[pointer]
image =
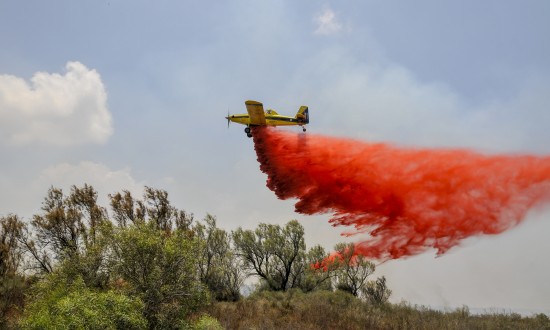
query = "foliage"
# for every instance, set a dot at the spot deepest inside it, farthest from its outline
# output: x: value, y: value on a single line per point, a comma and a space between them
x: 353, y: 269
x: 155, y: 208
x: 317, y: 277
x: 12, y: 294
x: 69, y: 223
x: 159, y: 267
x: 72, y: 229
x: 377, y: 292
x: 149, y: 266
x: 12, y: 283
x: 219, y: 268
x: 11, y: 253
x: 273, y: 253
x: 207, y: 322
x: 155, y: 257
x: 278, y: 256
x: 322, y: 309
x: 56, y: 305
x: 292, y: 309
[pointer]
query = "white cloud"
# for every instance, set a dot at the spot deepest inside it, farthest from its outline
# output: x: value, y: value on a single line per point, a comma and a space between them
x: 102, y: 178
x: 327, y: 23
x: 69, y: 109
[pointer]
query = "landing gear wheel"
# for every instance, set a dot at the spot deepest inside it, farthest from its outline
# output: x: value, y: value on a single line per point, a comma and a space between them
x: 249, y: 135
x: 247, y: 130
x: 303, y: 129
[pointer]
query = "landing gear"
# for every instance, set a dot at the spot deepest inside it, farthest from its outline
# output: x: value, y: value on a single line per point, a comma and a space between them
x: 303, y: 129
x: 247, y: 130
x: 249, y: 135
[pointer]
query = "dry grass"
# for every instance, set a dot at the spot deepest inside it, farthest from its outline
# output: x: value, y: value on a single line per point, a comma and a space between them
x: 339, y: 310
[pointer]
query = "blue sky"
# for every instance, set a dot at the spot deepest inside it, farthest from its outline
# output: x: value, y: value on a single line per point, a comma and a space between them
x: 125, y: 94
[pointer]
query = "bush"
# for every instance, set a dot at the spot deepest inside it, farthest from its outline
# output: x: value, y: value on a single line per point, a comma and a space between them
x: 161, y: 269
x: 77, y: 307
x: 207, y: 322
x: 341, y: 310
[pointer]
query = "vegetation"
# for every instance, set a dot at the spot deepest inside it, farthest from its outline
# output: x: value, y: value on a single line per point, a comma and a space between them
x: 58, y: 305
x: 219, y: 268
x: 323, y: 309
x: 144, y: 264
x: 277, y: 255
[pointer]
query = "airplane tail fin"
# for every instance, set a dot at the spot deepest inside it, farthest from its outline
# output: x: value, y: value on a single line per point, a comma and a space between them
x: 303, y: 115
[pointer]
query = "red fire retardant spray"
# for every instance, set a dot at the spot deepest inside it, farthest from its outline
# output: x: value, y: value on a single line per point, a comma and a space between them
x: 407, y: 200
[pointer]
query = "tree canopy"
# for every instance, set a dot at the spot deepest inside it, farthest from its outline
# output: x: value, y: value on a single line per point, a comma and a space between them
x: 143, y: 263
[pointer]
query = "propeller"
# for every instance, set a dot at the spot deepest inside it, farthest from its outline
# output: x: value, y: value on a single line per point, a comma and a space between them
x: 228, y: 120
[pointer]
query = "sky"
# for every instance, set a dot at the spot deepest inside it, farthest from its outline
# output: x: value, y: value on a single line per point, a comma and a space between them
x: 121, y: 94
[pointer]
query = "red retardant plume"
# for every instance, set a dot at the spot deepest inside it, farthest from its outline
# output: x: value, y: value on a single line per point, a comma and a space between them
x: 408, y: 200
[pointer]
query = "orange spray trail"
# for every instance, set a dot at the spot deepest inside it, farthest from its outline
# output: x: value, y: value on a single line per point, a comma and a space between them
x: 408, y: 200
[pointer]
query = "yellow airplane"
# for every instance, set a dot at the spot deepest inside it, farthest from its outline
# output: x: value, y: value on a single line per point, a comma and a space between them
x: 257, y: 117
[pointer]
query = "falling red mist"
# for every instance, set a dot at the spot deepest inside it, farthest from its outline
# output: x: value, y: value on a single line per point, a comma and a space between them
x: 408, y: 200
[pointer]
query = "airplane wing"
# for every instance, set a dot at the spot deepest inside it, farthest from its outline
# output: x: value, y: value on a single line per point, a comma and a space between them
x: 256, y: 112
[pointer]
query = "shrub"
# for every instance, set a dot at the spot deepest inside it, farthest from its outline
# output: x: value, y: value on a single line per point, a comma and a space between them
x: 77, y: 307
x: 207, y: 322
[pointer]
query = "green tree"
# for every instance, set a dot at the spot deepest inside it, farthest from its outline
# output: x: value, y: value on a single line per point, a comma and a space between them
x: 273, y: 253
x: 377, y: 292
x: 318, y: 271
x: 353, y: 269
x: 69, y: 223
x: 159, y: 267
x: 73, y: 229
x: 61, y: 303
x: 219, y: 269
x: 155, y: 207
x: 12, y: 281
x: 11, y: 253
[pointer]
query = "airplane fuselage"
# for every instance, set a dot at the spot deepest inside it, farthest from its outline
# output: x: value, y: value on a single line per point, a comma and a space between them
x: 258, y: 117
x: 271, y: 120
